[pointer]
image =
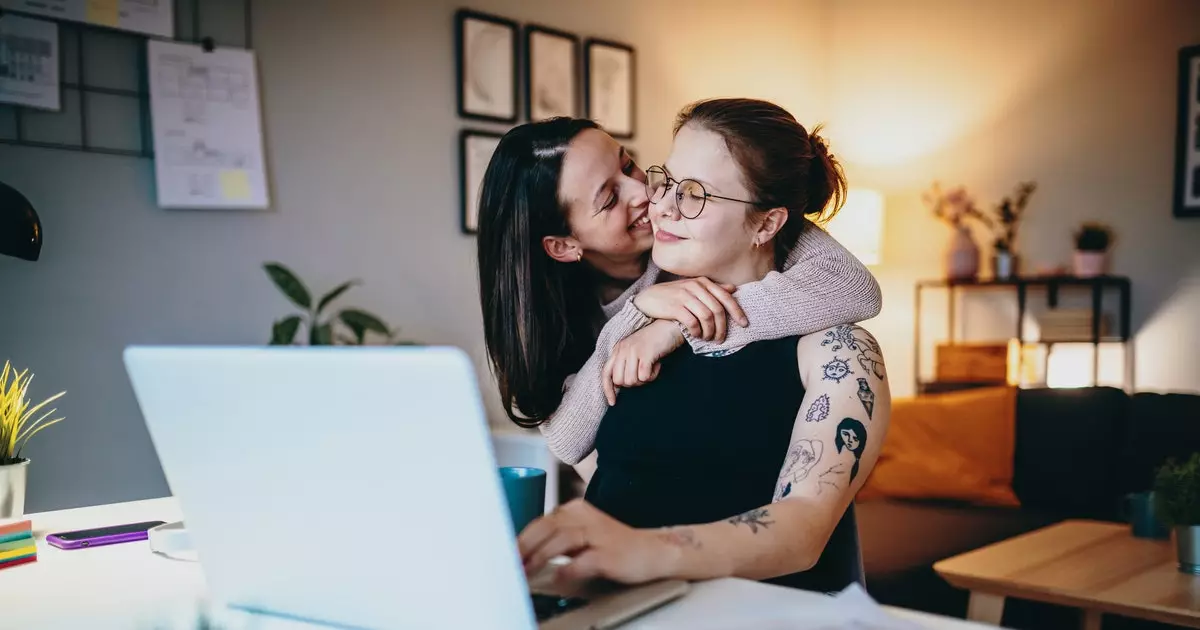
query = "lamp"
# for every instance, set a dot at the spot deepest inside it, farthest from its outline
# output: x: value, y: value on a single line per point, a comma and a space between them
x: 20, y: 229
x: 859, y: 225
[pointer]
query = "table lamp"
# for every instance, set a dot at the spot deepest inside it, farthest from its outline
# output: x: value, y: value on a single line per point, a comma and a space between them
x: 20, y: 229
x: 858, y: 226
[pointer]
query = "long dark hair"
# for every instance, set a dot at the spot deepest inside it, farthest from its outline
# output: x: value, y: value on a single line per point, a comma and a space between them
x: 540, y: 316
x: 785, y: 165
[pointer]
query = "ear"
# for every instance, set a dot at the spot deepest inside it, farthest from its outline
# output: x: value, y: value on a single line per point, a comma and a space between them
x: 564, y: 249
x: 773, y: 221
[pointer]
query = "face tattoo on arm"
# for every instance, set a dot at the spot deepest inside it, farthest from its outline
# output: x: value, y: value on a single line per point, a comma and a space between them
x: 851, y: 436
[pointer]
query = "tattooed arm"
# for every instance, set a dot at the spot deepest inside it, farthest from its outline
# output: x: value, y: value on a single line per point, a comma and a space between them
x: 836, y: 438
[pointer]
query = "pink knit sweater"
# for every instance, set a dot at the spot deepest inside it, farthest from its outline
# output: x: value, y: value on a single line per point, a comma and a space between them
x: 822, y: 285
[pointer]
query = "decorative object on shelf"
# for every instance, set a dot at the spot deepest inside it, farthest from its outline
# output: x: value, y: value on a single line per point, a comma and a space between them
x: 1092, y: 241
x: 16, y: 427
x: 323, y: 332
x: 962, y: 258
x: 486, y: 64
x: 859, y: 225
x: 1187, y: 139
x: 610, y: 86
x: 475, y: 149
x: 955, y: 207
x: 1177, y: 499
x: 1005, y: 262
x: 20, y: 227
x: 551, y: 73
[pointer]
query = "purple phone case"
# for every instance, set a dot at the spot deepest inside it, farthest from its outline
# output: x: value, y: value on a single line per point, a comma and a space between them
x: 97, y: 541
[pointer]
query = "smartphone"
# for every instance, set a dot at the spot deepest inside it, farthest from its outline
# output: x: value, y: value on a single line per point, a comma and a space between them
x: 102, y: 535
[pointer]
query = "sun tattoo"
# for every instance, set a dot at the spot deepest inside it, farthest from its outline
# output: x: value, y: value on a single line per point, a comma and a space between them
x: 836, y: 370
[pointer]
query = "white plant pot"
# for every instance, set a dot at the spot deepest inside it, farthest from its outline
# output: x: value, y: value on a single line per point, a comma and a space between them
x: 1090, y: 264
x: 12, y: 490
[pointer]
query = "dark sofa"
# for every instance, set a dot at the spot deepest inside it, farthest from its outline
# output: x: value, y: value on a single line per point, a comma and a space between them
x: 1078, y: 452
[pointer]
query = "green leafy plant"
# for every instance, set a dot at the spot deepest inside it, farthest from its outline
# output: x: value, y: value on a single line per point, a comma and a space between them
x: 1177, y: 492
x: 1093, y: 237
x: 345, y: 327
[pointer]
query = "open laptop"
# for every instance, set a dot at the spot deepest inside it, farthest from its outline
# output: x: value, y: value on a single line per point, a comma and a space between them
x: 351, y: 487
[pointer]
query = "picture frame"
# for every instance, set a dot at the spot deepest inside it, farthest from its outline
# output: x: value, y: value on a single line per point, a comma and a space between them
x: 551, y: 73
x: 610, y: 86
x: 1187, y: 141
x: 486, y: 52
x: 475, y: 149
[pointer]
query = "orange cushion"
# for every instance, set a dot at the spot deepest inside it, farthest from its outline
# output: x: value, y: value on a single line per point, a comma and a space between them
x: 956, y: 445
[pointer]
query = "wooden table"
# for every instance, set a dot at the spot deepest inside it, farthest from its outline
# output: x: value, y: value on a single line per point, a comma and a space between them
x: 1096, y: 566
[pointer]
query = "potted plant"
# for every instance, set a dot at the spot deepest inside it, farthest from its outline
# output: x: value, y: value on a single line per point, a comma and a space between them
x: 1092, y: 241
x: 1008, y: 219
x: 346, y: 327
x: 1177, y: 501
x: 16, y: 427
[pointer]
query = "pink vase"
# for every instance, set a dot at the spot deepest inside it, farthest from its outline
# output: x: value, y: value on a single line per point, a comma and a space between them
x: 962, y: 257
x: 1090, y: 264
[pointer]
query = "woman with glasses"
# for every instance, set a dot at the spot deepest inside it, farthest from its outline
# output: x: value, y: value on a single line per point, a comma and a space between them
x: 744, y: 464
x: 563, y: 249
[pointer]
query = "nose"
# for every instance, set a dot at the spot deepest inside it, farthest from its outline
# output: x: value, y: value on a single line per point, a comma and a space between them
x: 668, y: 206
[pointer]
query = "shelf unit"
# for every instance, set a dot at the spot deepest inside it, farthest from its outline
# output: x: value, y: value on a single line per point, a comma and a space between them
x: 1097, y: 286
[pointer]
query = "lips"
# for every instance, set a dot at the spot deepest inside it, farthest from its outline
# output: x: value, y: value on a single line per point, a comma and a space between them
x: 641, y: 222
x: 664, y: 236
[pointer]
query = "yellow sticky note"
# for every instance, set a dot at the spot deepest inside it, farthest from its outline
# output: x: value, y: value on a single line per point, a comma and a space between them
x: 104, y: 12
x: 235, y: 185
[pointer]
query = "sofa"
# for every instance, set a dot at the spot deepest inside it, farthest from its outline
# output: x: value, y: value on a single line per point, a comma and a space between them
x: 1076, y: 453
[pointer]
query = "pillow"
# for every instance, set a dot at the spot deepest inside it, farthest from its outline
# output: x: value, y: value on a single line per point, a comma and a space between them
x: 956, y: 446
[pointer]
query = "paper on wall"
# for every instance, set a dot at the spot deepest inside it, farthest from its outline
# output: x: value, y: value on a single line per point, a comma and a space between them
x: 208, y: 143
x: 152, y: 17
x: 29, y: 56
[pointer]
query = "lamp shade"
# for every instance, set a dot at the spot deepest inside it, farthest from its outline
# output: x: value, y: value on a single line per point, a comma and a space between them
x: 858, y: 226
x: 20, y: 228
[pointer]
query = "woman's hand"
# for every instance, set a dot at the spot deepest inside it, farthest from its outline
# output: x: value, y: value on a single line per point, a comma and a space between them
x: 634, y: 360
x: 599, y: 546
x: 700, y: 304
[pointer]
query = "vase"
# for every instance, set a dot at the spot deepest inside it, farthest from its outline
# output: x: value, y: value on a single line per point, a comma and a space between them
x: 12, y: 489
x: 1187, y: 548
x: 962, y: 258
x: 1090, y: 264
x: 1004, y: 265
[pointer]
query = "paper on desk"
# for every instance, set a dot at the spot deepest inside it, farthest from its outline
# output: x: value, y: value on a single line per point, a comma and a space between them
x: 851, y: 609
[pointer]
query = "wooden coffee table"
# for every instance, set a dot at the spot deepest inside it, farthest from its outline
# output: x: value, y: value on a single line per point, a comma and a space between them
x: 1096, y: 566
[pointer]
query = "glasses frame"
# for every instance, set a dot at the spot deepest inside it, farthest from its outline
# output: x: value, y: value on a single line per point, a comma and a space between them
x: 677, y: 184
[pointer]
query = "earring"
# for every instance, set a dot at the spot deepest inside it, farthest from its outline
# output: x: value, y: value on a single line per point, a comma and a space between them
x: 756, y: 243
x: 579, y: 256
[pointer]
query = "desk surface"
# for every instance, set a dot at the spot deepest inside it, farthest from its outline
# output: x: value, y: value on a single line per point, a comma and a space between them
x: 128, y: 587
x: 1085, y: 564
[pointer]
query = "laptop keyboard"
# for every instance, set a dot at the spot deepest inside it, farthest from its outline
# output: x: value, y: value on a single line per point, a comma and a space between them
x: 550, y: 606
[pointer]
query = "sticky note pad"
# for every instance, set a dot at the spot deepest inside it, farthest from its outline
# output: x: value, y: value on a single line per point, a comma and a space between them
x: 235, y: 185
x: 104, y: 12
x: 18, y: 561
x: 15, y: 527
x: 20, y: 543
x: 21, y: 552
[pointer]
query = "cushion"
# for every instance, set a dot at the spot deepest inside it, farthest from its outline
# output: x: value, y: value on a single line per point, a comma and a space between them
x: 956, y: 445
x: 1160, y: 426
x: 1067, y: 444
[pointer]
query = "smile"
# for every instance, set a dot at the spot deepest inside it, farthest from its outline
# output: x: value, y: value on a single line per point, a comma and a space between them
x: 664, y: 236
x: 642, y: 221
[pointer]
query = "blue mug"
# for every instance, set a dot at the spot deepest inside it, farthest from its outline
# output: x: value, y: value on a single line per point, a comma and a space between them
x: 1138, y: 509
x: 525, y: 492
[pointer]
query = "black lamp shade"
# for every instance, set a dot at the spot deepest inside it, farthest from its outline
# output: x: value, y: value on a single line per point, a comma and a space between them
x: 20, y: 229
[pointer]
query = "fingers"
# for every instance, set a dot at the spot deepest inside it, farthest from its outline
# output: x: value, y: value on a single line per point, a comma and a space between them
x: 724, y: 294
x: 606, y: 381
x: 630, y: 366
x: 565, y: 541
x: 644, y: 369
x: 710, y: 312
x: 585, y: 566
x: 535, y: 535
x: 689, y: 321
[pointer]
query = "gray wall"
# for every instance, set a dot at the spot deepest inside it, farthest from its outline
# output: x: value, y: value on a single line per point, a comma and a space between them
x: 362, y: 149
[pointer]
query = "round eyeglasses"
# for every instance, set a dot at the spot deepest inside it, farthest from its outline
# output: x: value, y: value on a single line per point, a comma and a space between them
x: 690, y: 195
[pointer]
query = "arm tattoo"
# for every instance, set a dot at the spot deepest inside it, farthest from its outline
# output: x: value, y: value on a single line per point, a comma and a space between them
x: 851, y: 436
x: 836, y: 370
x: 754, y: 518
x: 870, y: 355
x: 867, y: 397
x: 819, y: 409
x: 828, y: 478
x: 800, y: 459
x: 680, y: 537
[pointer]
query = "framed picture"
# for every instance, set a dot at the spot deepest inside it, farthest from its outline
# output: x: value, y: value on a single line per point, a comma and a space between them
x: 609, y: 86
x: 475, y: 152
x: 486, y: 63
x: 551, y: 73
x: 1187, y: 142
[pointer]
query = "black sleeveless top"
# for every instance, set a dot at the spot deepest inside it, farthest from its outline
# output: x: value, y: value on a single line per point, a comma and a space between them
x: 706, y: 441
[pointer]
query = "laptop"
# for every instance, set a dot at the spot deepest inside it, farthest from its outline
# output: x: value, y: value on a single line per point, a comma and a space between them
x: 350, y: 487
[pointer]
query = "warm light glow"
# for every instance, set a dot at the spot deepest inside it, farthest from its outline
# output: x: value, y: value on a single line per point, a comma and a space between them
x: 859, y: 225
x: 1070, y: 365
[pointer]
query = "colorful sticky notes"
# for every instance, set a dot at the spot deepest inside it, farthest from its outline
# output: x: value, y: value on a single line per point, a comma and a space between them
x: 17, y: 545
x: 104, y: 12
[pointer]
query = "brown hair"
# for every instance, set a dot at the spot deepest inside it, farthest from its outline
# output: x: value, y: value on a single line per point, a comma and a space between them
x: 785, y: 165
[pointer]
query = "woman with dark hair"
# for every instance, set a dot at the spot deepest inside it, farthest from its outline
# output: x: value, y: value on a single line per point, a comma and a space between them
x: 564, y: 241
x: 732, y: 465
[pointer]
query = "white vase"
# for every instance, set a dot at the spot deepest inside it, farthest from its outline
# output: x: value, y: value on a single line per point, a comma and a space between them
x: 12, y: 489
x: 962, y: 257
x: 1004, y: 265
x: 1090, y: 264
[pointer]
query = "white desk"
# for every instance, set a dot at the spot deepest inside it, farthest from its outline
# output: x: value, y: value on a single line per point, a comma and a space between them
x: 128, y: 587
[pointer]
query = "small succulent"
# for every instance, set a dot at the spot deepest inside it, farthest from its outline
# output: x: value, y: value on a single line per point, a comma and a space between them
x: 1093, y: 237
x: 1177, y: 492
